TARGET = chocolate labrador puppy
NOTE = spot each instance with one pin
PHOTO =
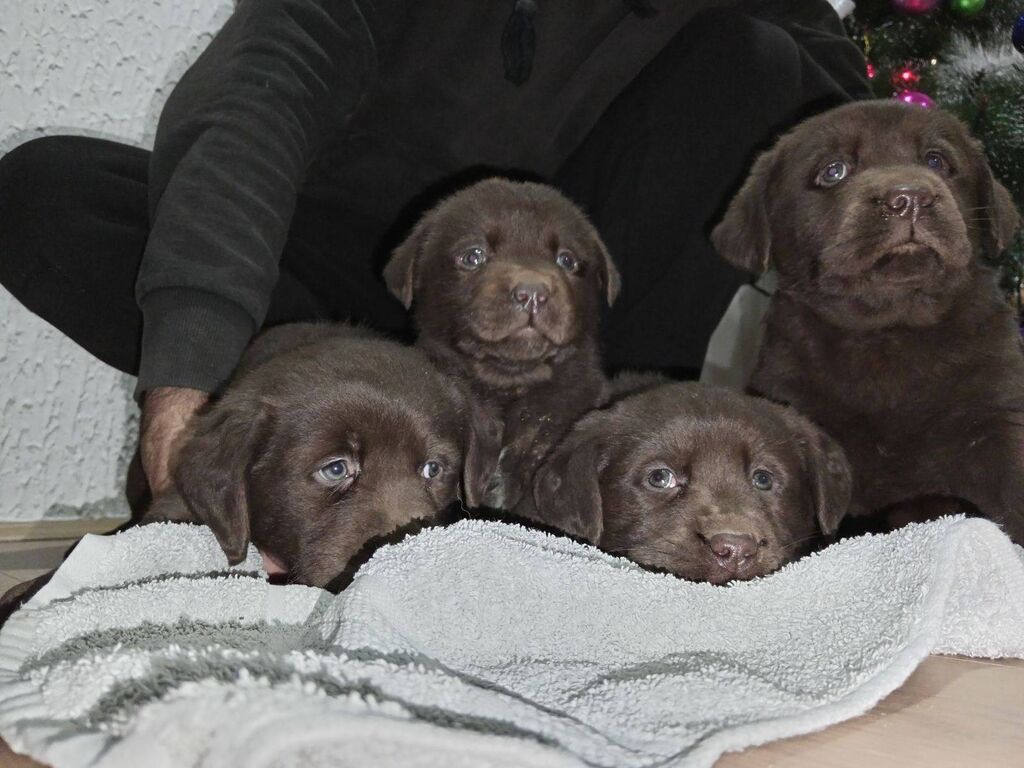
(505, 280)
(887, 329)
(327, 438)
(705, 483)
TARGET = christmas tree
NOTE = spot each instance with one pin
(966, 56)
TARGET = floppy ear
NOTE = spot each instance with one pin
(400, 271)
(212, 474)
(828, 471)
(743, 236)
(610, 279)
(1003, 217)
(566, 489)
(483, 449)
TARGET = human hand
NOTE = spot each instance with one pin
(167, 413)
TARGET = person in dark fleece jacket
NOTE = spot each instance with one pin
(310, 135)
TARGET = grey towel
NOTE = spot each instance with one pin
(482, 645)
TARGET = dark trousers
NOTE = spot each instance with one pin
(654, 174)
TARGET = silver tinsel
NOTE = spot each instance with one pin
(966, 58)
(983, 82)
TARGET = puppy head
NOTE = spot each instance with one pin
(507, 275)
(874, 214)
(707, 484)
(320, 451)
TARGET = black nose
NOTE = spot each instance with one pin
(732, 550)
(908, 201)
(530, 296)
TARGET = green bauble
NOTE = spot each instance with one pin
(967, 7)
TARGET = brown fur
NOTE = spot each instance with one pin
(887, 329)
(596, 484)
(536, 371)
(304, 395)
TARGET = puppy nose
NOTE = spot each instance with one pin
(732, 550)
(908, 200)
(530, 295)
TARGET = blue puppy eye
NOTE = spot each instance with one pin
(936, 161)
(832, 173)
(333, 472)
(662, 478)
(430, 470)
(762, 480)
(473, 257)
(567, 261)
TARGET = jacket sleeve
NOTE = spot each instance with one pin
(232, 147)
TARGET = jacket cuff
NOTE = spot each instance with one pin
(190, 339)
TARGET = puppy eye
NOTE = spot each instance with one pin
(472, 258)
(662, 478)
(335, 472)
(430, 470)
(832, 174)
(762, 480)
(936, 161)
(567, 261)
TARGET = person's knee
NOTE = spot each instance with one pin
(32, 177)
(30, 180)
(31, 165)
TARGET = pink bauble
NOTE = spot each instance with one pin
(915, 98)
(915, 6)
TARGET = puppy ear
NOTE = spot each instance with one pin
(400, 271)
(567, 492)
(1003, 217)
(483, 450)
(610, 279)
(827, 468)
(743, 236)
(212, 473)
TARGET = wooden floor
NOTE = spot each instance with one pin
(953, 712)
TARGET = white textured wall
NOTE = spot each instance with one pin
(87, 67)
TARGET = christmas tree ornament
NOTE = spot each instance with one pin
(967, 7)
(871, 71)
(905, 77)
(915, 98)
(1017, 36)
(915, 7)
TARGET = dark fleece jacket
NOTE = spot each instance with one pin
(367, 103)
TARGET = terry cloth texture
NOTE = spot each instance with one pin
(481, 644)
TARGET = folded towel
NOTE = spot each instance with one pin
(481, 644)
